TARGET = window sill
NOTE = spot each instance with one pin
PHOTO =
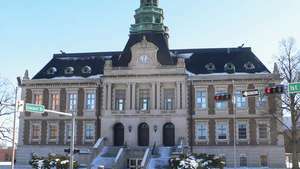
(118, 112)
(168, 111)
(143, 111)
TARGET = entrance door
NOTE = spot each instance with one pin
(169, 135)
(143, 134)
(118, 134)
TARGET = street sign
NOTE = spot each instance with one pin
(251, 92)
(35, 108)
(20, 106)
(294, 88)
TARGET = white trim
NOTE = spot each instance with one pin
(267, 122)
(227, 131)
(205, 90)
(89, 91)
(92, 123)
(205, 122)
(39, 123)
(247, 130)
(56, 124)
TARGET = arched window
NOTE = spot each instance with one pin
(229, 68)
(249, 66)
(210, 67)
(143, 134)
(51, 71)
(69, 70)
(86, 70)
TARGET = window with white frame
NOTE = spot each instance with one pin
(144, 99)
(240, 101)
(54, 101)
(120, 96)
(221, 105)
(263, 131)
(90, 100)
(201, 131)
(52, 131)
(222, 130)
(68, 131)
(261, 100)
(36, 131)
(201, 99)
(72, 101)
(169, 99)
(89, 131)
(38, 98)
(242, 129)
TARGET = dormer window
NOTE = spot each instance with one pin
(210, 67)
(69, 70)
(86, 70)
(229, 68)
(249, 66)
(51, 71)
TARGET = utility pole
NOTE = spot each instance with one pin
(14, 131)
(72, 141)
(234, 124)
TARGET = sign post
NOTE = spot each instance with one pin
(294, 87)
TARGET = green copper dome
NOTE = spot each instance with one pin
(148, 18)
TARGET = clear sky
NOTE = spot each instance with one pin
(32, 30)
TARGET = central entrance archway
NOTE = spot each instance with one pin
(169, 135)
(143, 134)
(118, 134)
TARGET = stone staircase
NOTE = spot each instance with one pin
(161, 160)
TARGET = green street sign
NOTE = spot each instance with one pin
(35, 108)
(294, 87)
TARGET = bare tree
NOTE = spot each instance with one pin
(288, 63)
(6, 96)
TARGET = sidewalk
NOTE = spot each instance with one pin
(6, 165)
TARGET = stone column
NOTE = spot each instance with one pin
(184, 97)
(178, 95)
(153, 99)
(127, 102)
(104, 97)
(133, 96)
(158, 95)
(109, 97)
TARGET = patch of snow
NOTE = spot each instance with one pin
(224, 73)
(77, 77)
(185, 55)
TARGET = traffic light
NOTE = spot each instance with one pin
(222, 97)
(274, 90)
(67, 150)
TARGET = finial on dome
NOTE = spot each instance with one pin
(26, 75)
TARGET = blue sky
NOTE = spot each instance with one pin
(31, 31)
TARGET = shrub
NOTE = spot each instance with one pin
(197, 161)
(53, 161)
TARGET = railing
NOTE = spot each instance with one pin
(120, 159)
(97, 148)
(146, 158)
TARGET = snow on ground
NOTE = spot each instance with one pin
(6, 165)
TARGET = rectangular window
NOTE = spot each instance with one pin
(242, 131)
(261, 100)
(120, 95)
(68, 131)
(89, 131)
(262, 131)
(264, 160)
(201, 131)
(72, 104)
(38, 99)
(240, 100)
(52, 131)
(222, 130)
(54, 101)
(144, 99)
(243, 161)
(169, 98)
(221, 105)
(201, 99)
(90, 101)
(35, 131)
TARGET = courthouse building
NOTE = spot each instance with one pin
(135, 107)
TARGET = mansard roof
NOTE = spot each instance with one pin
(198, 61)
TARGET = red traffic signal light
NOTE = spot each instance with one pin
(222, 97)
(274, 90)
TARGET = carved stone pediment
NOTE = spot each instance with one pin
(144, 54)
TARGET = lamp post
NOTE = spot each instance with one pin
(234, 124)
(14, 131)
